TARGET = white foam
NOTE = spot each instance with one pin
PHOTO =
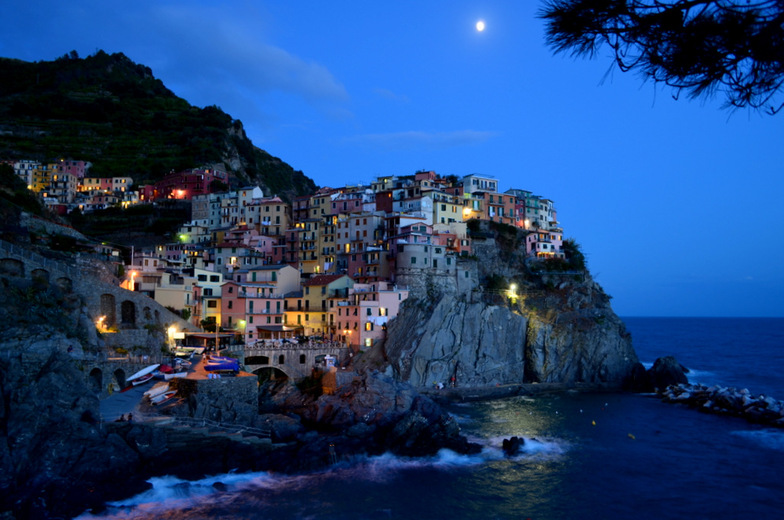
(169, 492)
(768, 438)
(538, 448)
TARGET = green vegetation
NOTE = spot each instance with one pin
(162, 220)
(15, 197)
(112, 112)
(574, 261)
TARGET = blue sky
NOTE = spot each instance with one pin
(676, 203)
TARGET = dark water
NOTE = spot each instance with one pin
(587, 456)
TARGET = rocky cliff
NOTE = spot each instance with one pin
(555, 325)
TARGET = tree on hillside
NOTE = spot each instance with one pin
(700, 47)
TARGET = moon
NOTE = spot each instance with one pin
(480, 25)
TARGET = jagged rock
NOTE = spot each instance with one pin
(512, 446)
(372, 414)
(486, 345)
(283, 428)
(560, 328)
(666, 371)
(727, 401)
(52, 433)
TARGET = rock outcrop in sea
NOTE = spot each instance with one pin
(727, 401)
(514, 321)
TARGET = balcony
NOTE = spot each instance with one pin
(244, 294)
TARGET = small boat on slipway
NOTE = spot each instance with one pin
(163, 397)
(213, 365)
(142, 376)
(157, 389)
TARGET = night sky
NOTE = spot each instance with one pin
(676, 203)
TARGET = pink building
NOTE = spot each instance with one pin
(362, 320)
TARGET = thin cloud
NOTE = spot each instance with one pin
(420, 139)
(388, 94)
(210, 45)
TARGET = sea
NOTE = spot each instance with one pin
(586, 455)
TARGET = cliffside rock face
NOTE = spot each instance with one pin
(555, 327)
(483, 345)
(476, 343)
(55, 458)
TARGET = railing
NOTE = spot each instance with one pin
(243, 294)
(276, 344)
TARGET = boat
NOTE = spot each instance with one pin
(162, 398)
(220, 358)
(213, 366)
(162, 371)
(157, 389)
(141, 380)
(143, 372)
(169, 377)
(142, 376)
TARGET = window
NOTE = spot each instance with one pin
(212, 304)
(214, 278)
(370, 312)
(231, 304)
(368, 326)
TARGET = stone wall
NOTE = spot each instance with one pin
(123, 309)
(228, 400)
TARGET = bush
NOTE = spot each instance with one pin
(574, 255)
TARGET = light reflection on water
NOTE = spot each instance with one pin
(585, 456)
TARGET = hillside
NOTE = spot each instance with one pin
(110, 111)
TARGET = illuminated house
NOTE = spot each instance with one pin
(361, 319)
(183, 185)
(319, 295)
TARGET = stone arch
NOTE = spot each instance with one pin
(270, 374)
(12, 267)
(40, 276)
(65, 284)
(96, 380)
(281, 359)
(109, 309)
(147, 315)
(128, 313)
(119, 376)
